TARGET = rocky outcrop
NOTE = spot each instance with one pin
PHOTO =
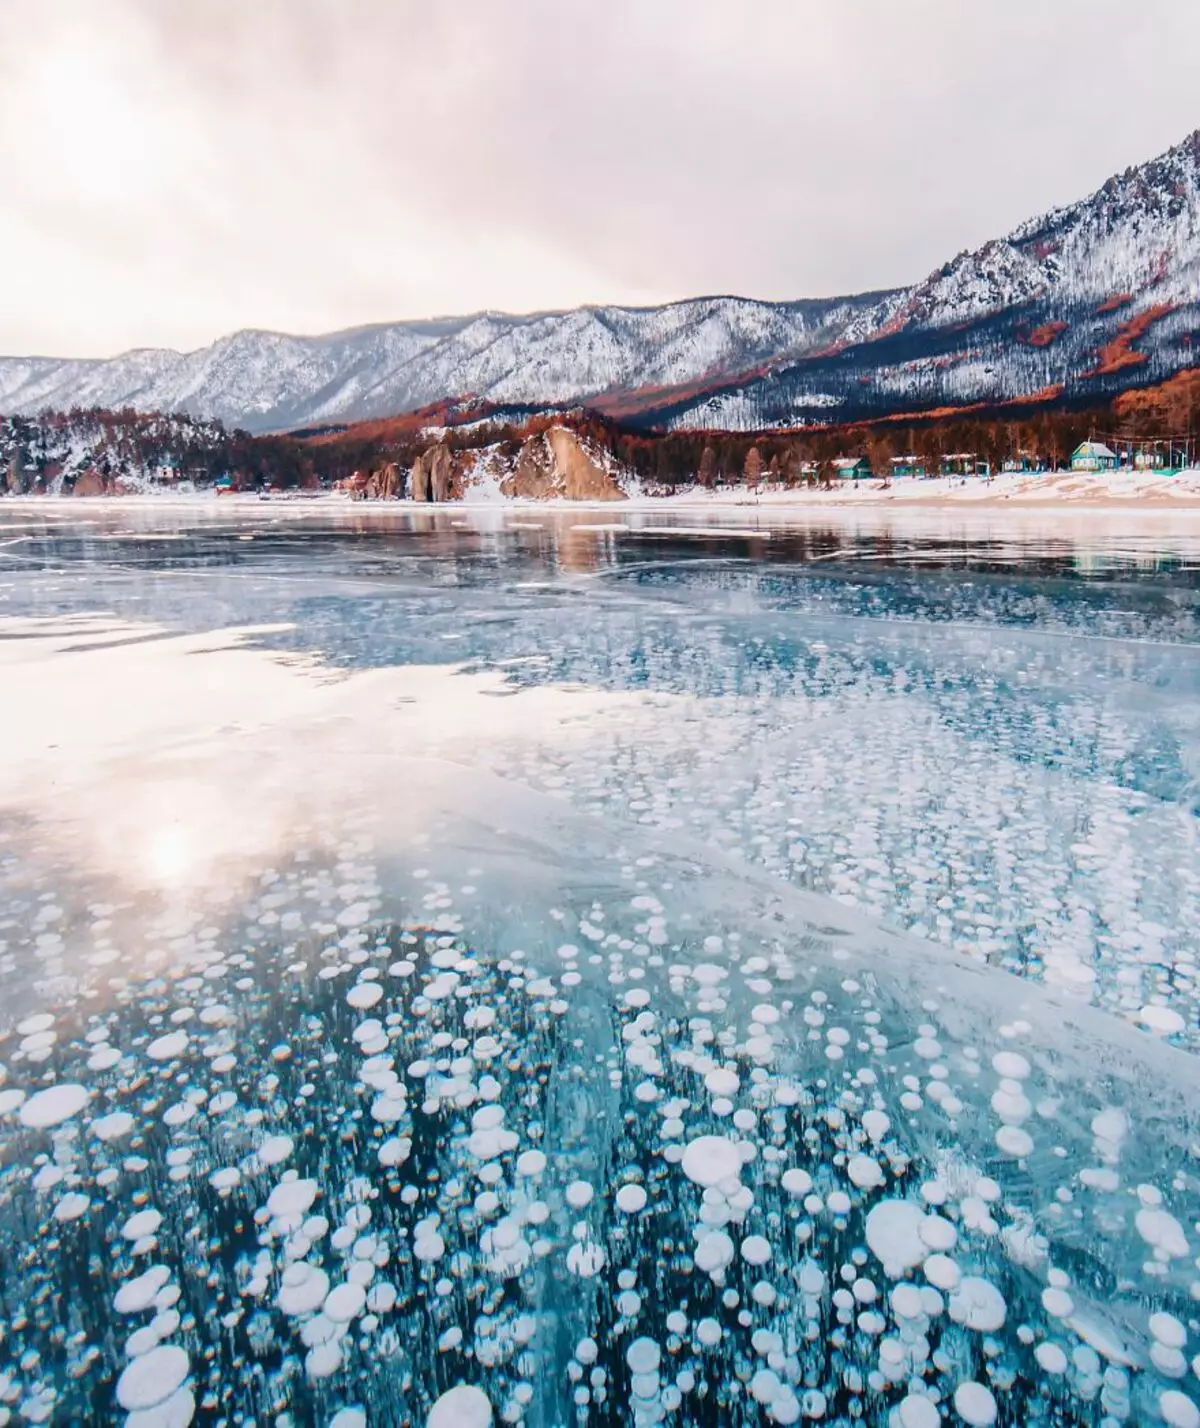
(441, 473)
(557, 464)
(386, 484)
(419, 488)
(436, 475)
(90, 483)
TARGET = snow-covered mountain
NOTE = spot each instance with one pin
(1104, 290)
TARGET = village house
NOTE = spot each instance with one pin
(1023, 462)
(964, 463)
(909, 465)
(852, 468)
(1094, 456)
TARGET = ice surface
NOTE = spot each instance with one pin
(642, 1118)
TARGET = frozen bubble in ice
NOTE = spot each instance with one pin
(165, 1048)
(1168, 1330)
(276, 1149)
(865, 1172)
(1011, 1065)
(579, 1194)
(942, 1272)
(714, 1252)
(1163, 1021)
(631, 1199)
(152, 1377)
(1178, 1410)
(344, 1302)
(711, 1159)
(138, 1294)
(112, 1127)
(395, 1151)
(531, 1163)
(643, 1356)
(1051, 1358)
(463, 1406)
(70, 1207)
(364, 994)
(348, 1418)
(585, 1260)
(1014, 1141)
(876, 1124)
(227, 1178)
(917, 1411)
(1162, 1231)
(354, 915)
(978, 1304)
(292, 1197)
(938, 1233)
(10, 1100)
(721, 1082)
(303, 1288)
(53, 1105)
(140, 1224)
(429, 1246)
(1057, 1302)
(893, 1232)
(756, 1250)
(796, 1182)
(174, 1412)
(975, 1404)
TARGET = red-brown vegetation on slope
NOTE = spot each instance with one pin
(1172, 407)
(1120, 352)
(1110, 304)
(1043, 336)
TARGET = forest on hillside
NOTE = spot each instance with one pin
(124, 450)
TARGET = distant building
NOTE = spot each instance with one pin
(909, 465)
(1024, 461)
(1094, 456)
(1165, 457)
(852, 468)
(964, 463)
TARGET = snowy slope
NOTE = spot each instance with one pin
(1136, 239)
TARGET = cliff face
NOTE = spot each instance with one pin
(556, 463)
(552, 465)
(433, 476)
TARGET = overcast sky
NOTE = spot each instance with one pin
(174, 169)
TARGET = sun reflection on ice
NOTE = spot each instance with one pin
(166, 857)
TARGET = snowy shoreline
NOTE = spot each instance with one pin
(1047, 493)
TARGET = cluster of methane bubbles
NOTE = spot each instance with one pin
(367, 1147)
(989, 799)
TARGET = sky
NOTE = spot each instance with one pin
(173, 170)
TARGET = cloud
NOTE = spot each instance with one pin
(177, 171)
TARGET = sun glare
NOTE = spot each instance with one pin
(167, 856)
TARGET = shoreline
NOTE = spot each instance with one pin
(1050, 494)
(1059, 491)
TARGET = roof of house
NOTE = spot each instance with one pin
(1094, 448)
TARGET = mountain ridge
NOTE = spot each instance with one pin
(725, 361)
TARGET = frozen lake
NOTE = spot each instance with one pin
(598, 967)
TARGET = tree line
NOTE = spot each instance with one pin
(204, 451)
